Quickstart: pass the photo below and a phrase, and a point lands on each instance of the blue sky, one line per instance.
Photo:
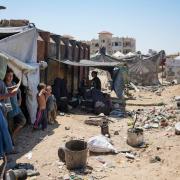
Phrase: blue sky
(154, 23)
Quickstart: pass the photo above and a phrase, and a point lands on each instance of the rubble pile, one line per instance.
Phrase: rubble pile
(157, 117)
(152, 88)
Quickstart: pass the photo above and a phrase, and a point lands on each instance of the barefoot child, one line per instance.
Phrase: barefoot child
(51, 106)
(41, 120)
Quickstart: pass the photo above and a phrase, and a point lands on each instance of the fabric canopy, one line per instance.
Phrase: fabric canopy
(130, 54)
(20, 51)
(144, 71)
(118, 54)
(89, 63)
(99, 57)
(7, 30)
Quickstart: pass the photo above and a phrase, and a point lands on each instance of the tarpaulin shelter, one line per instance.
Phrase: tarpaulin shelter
(104, 62)
(173, 69)
(118, 54)
(144, 70)
(130, 54)
(18, 50)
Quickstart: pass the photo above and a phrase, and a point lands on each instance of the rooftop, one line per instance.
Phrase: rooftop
(68, 36)
(105, 32)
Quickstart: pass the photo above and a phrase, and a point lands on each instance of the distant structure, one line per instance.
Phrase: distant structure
(112, 44)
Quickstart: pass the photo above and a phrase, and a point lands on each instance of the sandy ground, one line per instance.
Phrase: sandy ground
(162, 142)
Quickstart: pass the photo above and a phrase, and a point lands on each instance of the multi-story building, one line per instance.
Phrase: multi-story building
(112, 44)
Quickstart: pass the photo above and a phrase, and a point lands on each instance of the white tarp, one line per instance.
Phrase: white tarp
(22, 46)
(130, 54)
(118, 54)
(177, 58)
(21, 50)
(13, 29)
(89, 63)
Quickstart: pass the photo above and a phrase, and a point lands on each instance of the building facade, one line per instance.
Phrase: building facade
(112, 44)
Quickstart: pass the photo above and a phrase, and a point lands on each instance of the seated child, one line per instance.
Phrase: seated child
(51, 106)
(41, 119)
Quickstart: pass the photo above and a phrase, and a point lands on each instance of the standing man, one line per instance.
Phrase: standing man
(95, 82)
(15, 117)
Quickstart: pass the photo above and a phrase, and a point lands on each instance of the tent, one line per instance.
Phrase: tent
(130, 54)
(177, 58)
(97, 60)
(144, 70)
(173, 69)
(18, 48)
(118, 55)
(108, 63)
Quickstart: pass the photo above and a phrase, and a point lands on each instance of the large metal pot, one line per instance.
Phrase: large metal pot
(135, 137)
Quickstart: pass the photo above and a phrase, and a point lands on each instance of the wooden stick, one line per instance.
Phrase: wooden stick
(135, 122)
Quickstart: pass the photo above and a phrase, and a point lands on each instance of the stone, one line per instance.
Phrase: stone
(164, 123)
(155, 125)
(147, 126)
(130, 156)
(67, 128)
(66, 177)
(155, 159)
(177, 128)
(158, 93)
(116, 133)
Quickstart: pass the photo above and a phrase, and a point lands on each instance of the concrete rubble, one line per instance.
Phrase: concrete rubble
(157, 117)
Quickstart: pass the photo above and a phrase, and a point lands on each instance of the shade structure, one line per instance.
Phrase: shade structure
(118, 55)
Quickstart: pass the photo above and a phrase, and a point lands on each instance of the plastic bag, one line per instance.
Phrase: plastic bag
(100, 144)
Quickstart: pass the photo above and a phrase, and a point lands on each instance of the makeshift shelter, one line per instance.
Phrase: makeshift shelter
(118, 55)
(18, 49)
(105, 62)
(130, 54)
(144, 70)
(173, 69)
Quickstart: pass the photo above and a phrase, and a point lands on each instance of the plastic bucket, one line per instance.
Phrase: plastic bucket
(76, 154)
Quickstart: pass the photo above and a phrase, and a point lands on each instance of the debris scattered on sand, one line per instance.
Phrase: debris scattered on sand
(67, 128)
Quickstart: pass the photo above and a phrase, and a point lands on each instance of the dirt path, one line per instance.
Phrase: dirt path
(162, 143)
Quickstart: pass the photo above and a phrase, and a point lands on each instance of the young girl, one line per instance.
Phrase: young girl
(51, 106)
(41, 120)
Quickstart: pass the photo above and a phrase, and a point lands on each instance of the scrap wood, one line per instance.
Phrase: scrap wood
(91, 117)
(97, 121)
(150, 104)
(94, 122)
(135, 88)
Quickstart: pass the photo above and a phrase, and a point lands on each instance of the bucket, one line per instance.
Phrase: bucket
(76, 154)
(135, 137)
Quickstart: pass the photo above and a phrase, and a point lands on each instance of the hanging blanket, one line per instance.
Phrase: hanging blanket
(5, 139)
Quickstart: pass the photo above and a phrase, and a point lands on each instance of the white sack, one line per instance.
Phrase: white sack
(100, 144)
